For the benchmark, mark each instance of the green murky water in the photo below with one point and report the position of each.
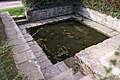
(63, 39)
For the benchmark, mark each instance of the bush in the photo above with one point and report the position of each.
(110, 7)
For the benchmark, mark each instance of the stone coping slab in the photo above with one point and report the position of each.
(99, 17)
(49, 70)
(93, 56)
(24, 58)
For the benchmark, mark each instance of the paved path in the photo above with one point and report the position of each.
(10, 4)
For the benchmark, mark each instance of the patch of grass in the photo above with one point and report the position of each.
(14, 11)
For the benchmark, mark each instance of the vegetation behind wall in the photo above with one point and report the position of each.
(40, 4)
(110, 7)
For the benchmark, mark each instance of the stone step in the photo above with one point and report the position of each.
(46, 21)
(62, 66)
(67, 75)
(49, 70)
(88, 77)
(19, 17)
(21, 21)
(24, 58)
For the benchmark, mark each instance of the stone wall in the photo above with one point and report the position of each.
(96, 16)
(49, 12)
(101, 18)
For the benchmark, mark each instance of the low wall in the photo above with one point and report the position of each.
(24, 58)
(49, 12)
(101, 18)
(96, 16)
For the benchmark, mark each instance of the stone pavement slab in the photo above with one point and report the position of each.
(50, 72)
(10, 4)
(62, 66)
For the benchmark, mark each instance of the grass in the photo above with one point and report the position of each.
(14, 11)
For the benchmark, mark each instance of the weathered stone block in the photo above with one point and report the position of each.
(20, 48)
(32, 43)
(22, 27)
(45, 64)
(50, 72)
(43, 22)
(30, 38)
(27, 66)
(66, 75)
(38, 23)
(39, 54)
(17, 41)
(23, 57)
(35, 48)
(26, 35)
(13, 37)
(113, 33)
(61, 66)
(107, 21)
(42, 59)
(35, 75)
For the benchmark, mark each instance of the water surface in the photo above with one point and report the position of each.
(63, 39)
